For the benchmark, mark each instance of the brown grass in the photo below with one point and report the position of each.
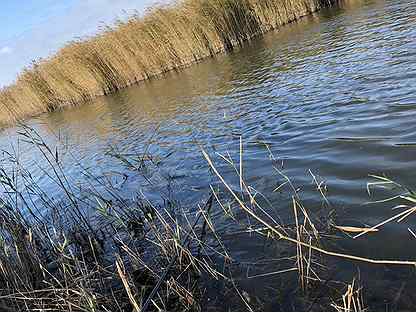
(352, 299)
(111, 255)
(165, 38)
(95, 250)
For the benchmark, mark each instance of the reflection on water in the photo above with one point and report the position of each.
(335, 93)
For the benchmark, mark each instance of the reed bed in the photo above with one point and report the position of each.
(167, 37)
(92, 249)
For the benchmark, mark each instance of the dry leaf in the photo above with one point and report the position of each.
(352, 229)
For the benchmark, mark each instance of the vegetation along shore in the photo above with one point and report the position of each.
(167, 37)
(94, 249)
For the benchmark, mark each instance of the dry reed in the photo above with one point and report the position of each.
(101, 252)
(352, 299)
(167, 37)
(274, 228)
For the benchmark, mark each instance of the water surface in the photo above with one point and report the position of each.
(334, 94)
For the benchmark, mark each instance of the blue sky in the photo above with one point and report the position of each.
(30, 29)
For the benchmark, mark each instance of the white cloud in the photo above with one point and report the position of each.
(5, 50)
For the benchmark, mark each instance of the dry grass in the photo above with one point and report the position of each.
(165, 38)
(103, 252)
(312, 243)
(352, 299)
(99, 252)
(276, 229)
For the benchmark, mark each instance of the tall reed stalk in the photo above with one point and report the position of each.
(167, 37)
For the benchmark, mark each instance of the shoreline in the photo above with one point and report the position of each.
(166, 38)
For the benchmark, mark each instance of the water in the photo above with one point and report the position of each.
(334, 94)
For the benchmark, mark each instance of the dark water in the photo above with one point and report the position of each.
(334, 94)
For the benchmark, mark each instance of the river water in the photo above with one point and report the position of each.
(334, 94)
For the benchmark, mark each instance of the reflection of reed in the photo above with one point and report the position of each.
(166, 38)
